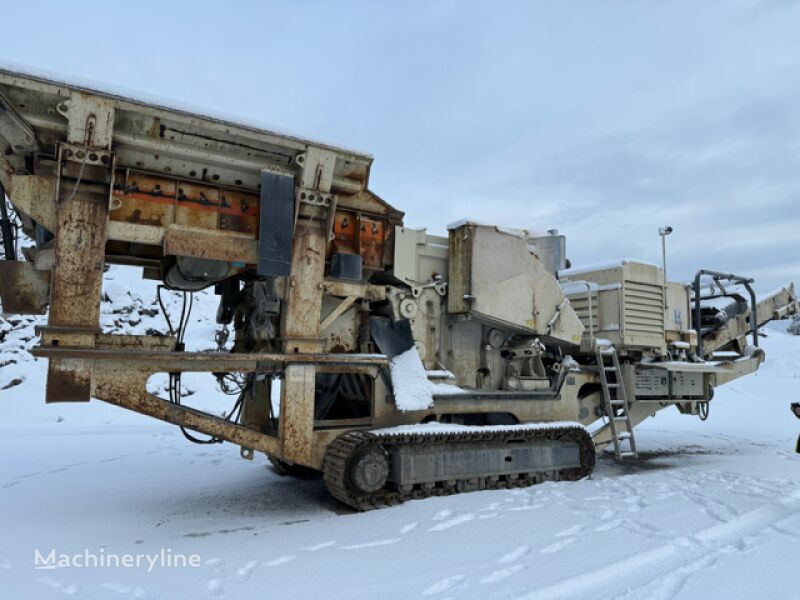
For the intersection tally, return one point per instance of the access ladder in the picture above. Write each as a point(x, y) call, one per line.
point(616, 402)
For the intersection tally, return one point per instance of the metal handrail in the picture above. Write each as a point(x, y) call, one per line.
point(717, 276)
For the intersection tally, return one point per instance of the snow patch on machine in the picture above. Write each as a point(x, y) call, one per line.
point(436, 427)
point(412, 388)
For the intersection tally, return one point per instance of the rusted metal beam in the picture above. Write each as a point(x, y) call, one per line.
point(300, 327)
point(76, 282)
point(133, 261)
point(195, 420)
point(297, 413)
point(83, 189)
point(215, 245)
point(337, 312)
point(205, 361)
point(78, 276)
point(359, 290)
point(130, 342)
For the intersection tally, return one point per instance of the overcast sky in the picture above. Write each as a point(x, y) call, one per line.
point(604, 120)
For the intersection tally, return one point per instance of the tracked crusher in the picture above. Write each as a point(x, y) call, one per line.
point(409, 364)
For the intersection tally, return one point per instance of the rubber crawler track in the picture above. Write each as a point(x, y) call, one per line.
point(348, 444)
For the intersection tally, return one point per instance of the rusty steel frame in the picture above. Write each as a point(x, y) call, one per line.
point(119, 374)
point(116, 371)
point(193, 419)
point(80, 238)
point(160, 360)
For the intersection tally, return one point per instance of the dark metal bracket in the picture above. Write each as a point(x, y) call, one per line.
point(276, 224)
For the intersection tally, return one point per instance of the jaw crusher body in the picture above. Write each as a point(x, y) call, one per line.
point(409, 364)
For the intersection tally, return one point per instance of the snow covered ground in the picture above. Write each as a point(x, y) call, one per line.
point(710, 510)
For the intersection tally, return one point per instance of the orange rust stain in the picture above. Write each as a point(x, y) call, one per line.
point(156, 200)
point(371, 237)
point(357, 233)
point(344, 231)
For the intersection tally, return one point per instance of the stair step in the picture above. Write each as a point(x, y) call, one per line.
point(624, 435)
point(619, 419)
point(612, 385)
point(629, 454)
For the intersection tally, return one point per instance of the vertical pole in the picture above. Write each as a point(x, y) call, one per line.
point(664, 269)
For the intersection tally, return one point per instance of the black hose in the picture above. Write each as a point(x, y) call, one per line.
point(164, 310)
point(6, 228)
point(174, 386)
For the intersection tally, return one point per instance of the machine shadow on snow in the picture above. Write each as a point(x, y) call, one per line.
point(655, 460)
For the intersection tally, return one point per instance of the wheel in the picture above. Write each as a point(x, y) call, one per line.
point(368, 469)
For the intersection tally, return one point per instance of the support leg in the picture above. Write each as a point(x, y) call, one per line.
point(297, 414)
